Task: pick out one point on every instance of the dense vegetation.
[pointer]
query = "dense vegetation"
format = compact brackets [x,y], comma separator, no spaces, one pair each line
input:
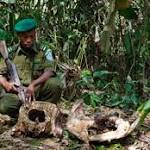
[101,46]
[107,39]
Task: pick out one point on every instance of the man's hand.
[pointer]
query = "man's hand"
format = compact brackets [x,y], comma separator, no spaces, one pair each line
[8,86]
[30,92]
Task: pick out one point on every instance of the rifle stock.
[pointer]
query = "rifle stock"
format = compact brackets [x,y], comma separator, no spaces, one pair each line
[12,71]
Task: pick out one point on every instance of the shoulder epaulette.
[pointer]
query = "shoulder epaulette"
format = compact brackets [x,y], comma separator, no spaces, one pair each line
[48,53]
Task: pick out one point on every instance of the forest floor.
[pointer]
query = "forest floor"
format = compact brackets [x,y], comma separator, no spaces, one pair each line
[138,140]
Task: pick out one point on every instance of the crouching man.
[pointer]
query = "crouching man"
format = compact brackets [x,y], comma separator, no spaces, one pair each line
[34,66]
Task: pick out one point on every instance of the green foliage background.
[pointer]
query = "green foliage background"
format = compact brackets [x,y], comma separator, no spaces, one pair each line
[93,35]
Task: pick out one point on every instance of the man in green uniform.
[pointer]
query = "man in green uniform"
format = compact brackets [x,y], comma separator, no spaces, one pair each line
[34,65]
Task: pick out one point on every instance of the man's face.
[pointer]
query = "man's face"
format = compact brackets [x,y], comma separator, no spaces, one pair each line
[27,39]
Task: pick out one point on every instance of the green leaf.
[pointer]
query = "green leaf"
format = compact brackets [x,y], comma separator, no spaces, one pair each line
[86,98]
[2,23]
[102,147]
[128,13]
[3,34]
[128,87]
[86,73]
[127,42]
[135,99]
[101,74]
[145,107]
[144,110]
[115,100]
[91,99]
[101,84]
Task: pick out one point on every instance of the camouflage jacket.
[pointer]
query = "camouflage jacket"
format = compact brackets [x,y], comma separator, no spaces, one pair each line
[29,66]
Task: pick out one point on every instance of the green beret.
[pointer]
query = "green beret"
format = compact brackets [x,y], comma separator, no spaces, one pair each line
[25,25]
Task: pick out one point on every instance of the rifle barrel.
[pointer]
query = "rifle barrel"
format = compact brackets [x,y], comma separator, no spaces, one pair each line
[3,49]
[12,71]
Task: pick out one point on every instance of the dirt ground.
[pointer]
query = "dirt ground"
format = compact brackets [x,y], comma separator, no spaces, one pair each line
[138,140]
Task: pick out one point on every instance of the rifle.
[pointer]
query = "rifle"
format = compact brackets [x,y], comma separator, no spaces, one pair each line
[12,72]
